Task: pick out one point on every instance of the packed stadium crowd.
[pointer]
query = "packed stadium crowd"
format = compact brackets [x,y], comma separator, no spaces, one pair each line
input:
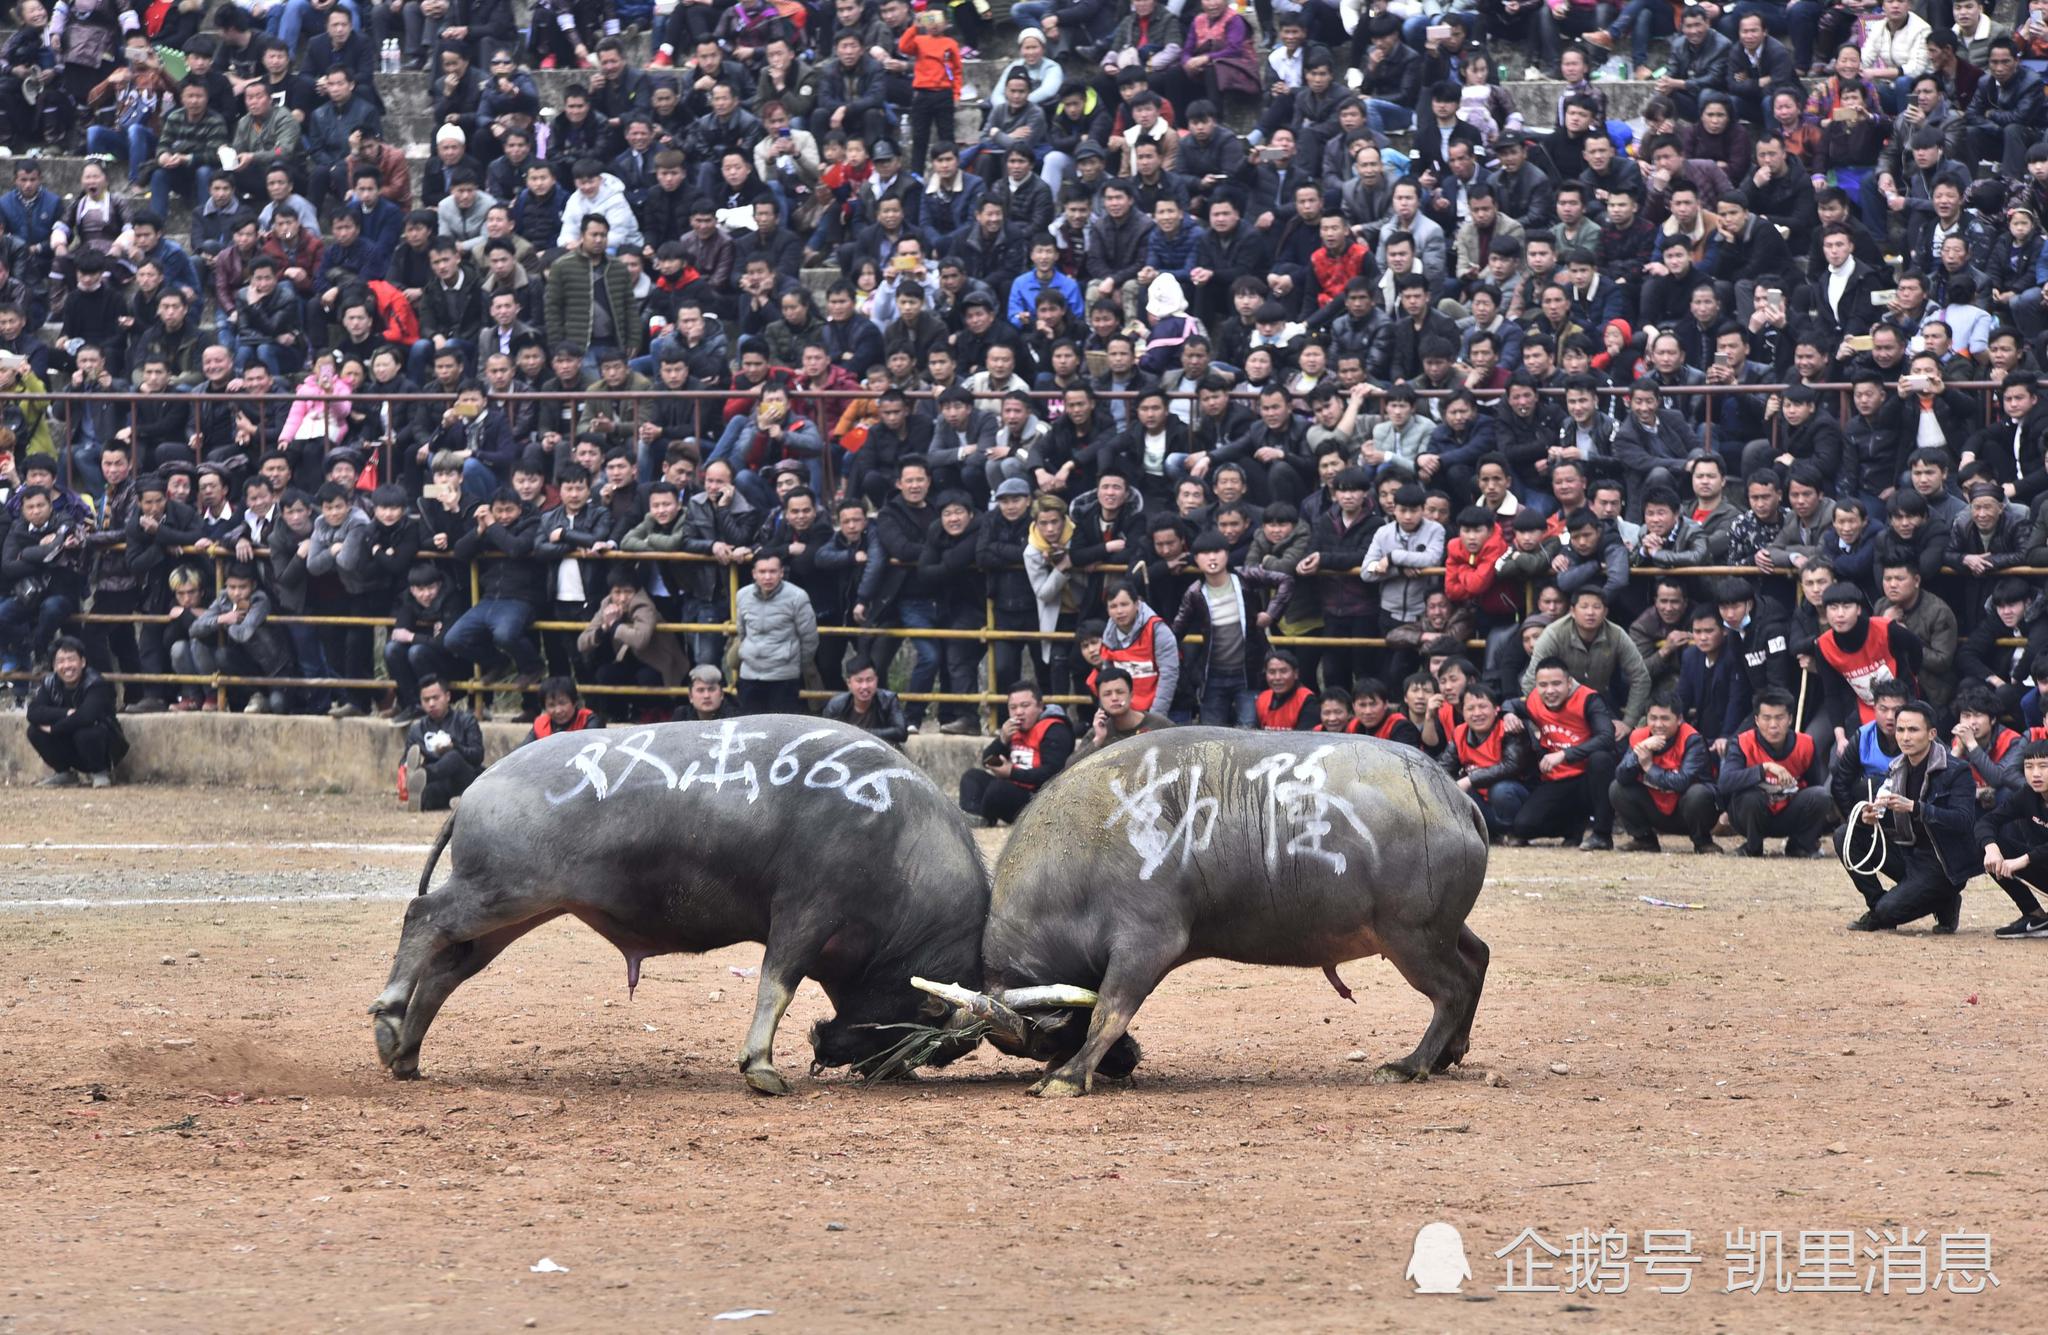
[1274,369]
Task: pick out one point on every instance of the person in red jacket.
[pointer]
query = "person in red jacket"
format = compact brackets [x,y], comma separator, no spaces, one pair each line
[1337,261]
[1471,568]
[934,82]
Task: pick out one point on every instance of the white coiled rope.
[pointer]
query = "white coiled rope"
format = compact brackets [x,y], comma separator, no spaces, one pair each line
[1874,856]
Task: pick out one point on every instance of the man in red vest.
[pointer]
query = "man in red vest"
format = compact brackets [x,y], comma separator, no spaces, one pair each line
[1286,705]
[562,710]
[1855,653]
[1572,731]
[1335,712]
[1490,762]
[1375,717]
[1032,747]
[1774,781]
[1138,640]
[1661,784]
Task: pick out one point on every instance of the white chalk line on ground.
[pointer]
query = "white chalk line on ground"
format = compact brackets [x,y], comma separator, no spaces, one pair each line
[173,901]
[313,847]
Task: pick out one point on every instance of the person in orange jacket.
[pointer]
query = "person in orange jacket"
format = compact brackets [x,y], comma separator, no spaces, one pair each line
[934,81]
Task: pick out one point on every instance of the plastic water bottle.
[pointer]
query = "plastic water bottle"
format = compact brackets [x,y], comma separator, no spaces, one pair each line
[388,62]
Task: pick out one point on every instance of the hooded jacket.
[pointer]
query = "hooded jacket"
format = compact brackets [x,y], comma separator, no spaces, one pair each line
[611,202]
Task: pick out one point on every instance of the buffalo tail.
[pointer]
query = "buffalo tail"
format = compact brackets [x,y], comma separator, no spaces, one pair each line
[434,854]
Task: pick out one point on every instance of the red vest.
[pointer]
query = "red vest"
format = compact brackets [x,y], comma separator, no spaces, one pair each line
[1864,668]
[1385,732]
[1799,761]
[1024,750]
[2003,741]
[1480,755]
[1670,758]
[1281,717]
[543,726]
[1561,729]
[1136,659]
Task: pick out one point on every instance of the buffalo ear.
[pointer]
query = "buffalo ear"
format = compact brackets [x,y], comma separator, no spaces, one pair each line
[933,1009]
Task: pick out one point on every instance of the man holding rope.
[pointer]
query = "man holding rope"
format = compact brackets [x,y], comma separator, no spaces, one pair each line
[1916,832]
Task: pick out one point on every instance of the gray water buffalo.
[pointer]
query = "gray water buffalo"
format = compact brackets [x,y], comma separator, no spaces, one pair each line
[1203,843]
[810,836]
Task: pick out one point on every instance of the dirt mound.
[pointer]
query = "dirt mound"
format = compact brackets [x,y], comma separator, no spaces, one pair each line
[225,1063]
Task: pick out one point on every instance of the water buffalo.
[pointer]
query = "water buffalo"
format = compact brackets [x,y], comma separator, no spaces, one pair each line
[1269,848]
[810,836]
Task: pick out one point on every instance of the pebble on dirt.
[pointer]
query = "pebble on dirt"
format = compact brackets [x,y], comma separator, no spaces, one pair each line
[1355,1055]
[1559,1068]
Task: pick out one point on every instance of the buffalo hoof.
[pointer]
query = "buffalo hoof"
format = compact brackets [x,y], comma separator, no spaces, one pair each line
[765,1080]
[1393,1073]
[1057,1087]
[386,1029]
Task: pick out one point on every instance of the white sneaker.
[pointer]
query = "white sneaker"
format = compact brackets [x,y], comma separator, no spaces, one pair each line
[103,780]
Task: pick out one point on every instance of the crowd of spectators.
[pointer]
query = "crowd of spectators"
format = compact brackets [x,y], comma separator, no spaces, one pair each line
[1217,328]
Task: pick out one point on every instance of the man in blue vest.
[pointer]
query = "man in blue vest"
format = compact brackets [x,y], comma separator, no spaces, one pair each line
[1861,766]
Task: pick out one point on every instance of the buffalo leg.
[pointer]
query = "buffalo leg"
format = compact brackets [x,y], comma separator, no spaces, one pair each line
[1476,956]
[1450,979]
[785,963]
[455,913]
[1129,980]
[447,971]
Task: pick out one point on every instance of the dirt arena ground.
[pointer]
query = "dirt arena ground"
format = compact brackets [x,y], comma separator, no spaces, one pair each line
[200,1137]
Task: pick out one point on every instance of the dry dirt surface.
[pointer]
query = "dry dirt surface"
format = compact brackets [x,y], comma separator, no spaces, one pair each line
[200,1137]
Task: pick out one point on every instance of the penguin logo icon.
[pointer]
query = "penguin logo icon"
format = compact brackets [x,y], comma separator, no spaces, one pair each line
[1438,1264]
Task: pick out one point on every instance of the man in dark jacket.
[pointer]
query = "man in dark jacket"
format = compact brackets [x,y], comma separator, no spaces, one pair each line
[905,597]
[1925,813]
[71,721]
[2007,112]
[1713,689]
[156,527]
[1116,244]
[444,749]
[574,586]
[719,522]
[42,578]
[1698,64]
[1000,555]
[866,706]
[959,593]
[512,584]
[1652,442]
[2015,839]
